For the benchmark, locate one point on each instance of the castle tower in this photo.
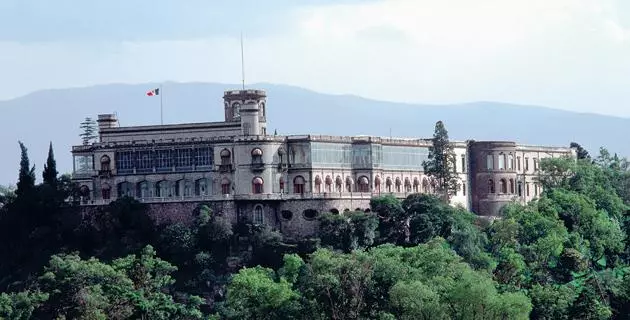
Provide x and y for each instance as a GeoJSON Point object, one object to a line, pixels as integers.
{"type": "Point", "coordinates": [249, 108]}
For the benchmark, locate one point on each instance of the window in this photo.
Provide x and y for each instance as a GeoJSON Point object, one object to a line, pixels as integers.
{"type": "Point", "coordinates": [527, 189]}
{"type": "Point", "coordinates": [257, 185]}
{"type": "Point", "coordinates": [84, 191]}
{"type": "Point", "coordinates": [518, 163]}
{"type": "Point", "coordinates": [526, 164]}
{"type": "Point", "coordinates": [520, 189]}
{"type": "Point", "coordinates": [512, 186]}
{"type": "Point", "coordinates": [225, 186]}
{"type": "Point", "coordinates": [310, 214]}
{"type": "Point", "coordinates": [164, 189]}
{"type": "Point", "coordinates": [377, 184]}
{"type": "Point", "coordinates": [164, 160]}
{"type": "Point", "coordinates": [501, 161]}
{"type": "Point", "coordinates": [425, 186]}
{"type": "Point", "coordinates": [364, 184]}
{"type": "Point", "coordinates": [338, 184]}
{"type": "Point", "coordinates": [490, 162]}
{"type": "Point", "coordinates": [388, 184]}
{"type": "Point", "coordinates": [246, 127]}
{"type": "Point", "coordinates": [398, 184]}
{"type": "Point", "coordinates": [203, 157]}
{"type": "Point", "coordinates": [503, 186]}
{"type": "Point", "coordinates": [463, 163]}
{"type": "Point", "coordinates": [535, 189]}
{"type": "Point", "coordinates": [298, 185]}
{"type": "Point", "coordinates": [106, 191]}
{"type": "Point", "coordinates": [201, 187]}
{"type": "Point", "coordinates": [535, 164]}
{"type": "Point", "coordinates": [349, 183]}
{"type": "Point", "coordinates": [491, 186]}
{"type": "Point", "coordinates": [225, 157]}
{"type": "Point", "coordinates": [510, 161]}
{"type": "Point", "coordinates": [125, 189]}
{"type": "Point", "coordinates": [258, 214]}
{"type": "Point", "coordinates": [416, 185]}
{"type": "Point", "coordinates": [144, 191]}
{"type": "Point", "coordinates": [105, 164]}
{"type": "Point", "coordinates": [184, 158]}
{"type": "Point", "coordinates": [124, 161]}
{"type": "Point", "coordinates": [281, 182]}
{"type": "Point", "coordinates": [328, 181]}
{"type": "Point", "coordinates": [463, 188]}
{"type": "Point", "coordinates": [144, 161]}
{"type": "Point", "coordinates": [318, 184]}
{"type": "Point", "coordinates": [257, 156]}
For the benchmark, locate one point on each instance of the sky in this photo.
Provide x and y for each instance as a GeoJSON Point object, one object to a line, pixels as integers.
{"type": "Point", "coordinates": [567, 54]}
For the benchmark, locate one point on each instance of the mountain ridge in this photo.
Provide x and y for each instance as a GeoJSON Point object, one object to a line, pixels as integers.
{"type": "Point", "coordinates": [54, 115]}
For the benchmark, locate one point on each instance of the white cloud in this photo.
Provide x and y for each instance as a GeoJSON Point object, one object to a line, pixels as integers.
{"type": "Point", "coordinates": [572, 54]}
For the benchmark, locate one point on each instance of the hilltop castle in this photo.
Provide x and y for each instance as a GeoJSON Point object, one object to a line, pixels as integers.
{"type": "Point", "coordinates": [242, 172]}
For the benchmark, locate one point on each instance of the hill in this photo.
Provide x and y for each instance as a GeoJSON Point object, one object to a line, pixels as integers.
{"type": "Point", "coordinates": [54, 115]}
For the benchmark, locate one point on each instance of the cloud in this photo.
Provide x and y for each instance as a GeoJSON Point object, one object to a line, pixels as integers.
{"type": "Point", "coordinates": [572, 54]}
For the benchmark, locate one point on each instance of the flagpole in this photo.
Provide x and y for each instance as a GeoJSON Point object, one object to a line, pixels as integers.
{"type": "Point", "coordinates": [242, 61]}
{"type": "Point", "coordinates": [161, 112]}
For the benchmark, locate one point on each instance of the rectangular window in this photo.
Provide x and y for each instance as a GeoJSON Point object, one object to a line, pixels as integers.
{"type": "Point", "coordinates": [535, 189]}
{"type": "Point", "coordinates": [535, 164]}
{"type": "Point", "coordinates": [490, 162]}
{"type": "Point", "coordinates": [184, 159]}
{"type": "Point", "coordinates": [144, 161]}
{"type": "Point", "coordinates": [510, 162]}
{"type": "Point", "coordinates": [464, 188]}
{"type": "Point", "coordinates": [527, 189]}
{"type": "Point", "coordinates": [501, 162]}
{"type": "Point", "coordinates": [125, 161]}
{"type": "Point", "coordinates": [526, 164]}
{"type": "Point", "coordinates": [203, 156]}
{"type": "Point", "coordinates": [463, 163]}
{"type": "Point", "coordinates": [84, 164]}
{"type": "Point", "coordinates": [518, 163]}
{"type": "Point", "coordinates": [164, 160]}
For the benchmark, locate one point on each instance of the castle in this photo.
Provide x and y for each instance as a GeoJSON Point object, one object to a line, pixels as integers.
{"type": "Point", "coordinates": [244, 173]}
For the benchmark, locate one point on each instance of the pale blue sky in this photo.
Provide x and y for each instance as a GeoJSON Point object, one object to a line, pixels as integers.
{"type": "Point", "coordinates": [569, 54]}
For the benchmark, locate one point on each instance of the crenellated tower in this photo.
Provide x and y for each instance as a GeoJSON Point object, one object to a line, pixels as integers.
{"type": "Point", "coordinates": [249, 108]}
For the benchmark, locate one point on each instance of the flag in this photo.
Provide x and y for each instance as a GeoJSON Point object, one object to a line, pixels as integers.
{"type": "Point", "coordinates": [154, 92]}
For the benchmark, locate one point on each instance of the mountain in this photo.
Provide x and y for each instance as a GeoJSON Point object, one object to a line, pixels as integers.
{"type": "Point", "coordinates": [54, 115]}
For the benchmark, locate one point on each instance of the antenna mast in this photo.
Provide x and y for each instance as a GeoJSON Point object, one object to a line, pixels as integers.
{"type": "Point", "coordinates": [242, 61]}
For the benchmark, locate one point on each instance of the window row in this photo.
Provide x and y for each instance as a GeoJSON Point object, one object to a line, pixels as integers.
{"type": "Point", "coordinates": [161, 160]}
{"type": "Point", "coordinates": [507, 186]}
{"type": "Point", "coordinates": [508, 162]}
{"type": "Point", "coordinates": [164, 188]}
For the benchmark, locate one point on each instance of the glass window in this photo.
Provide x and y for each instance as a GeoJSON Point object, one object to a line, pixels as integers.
{"type": "Point", "coordinates": [463, 163]}
{"type": "Point", "coordinates": [410, 158]}
{"type": "Point", "coordinates": [144, 161]}
{"type": "Point", "coordinates": [501, 162]}
{"type": "Point", "coordinates": [125, 161]}
{"type": "Point", "coordinates": [258, 215]}
{"type": "Point", "coordinates": [327, 154]}
{"type": "Point", "coordinates": [510, 161]}
{"type": "Point", "coordinates": [203, 156]}
{"type": "Point", "coordinates": [490, 162]}
{"type": "Point", "coordinates": [83, 164]}
{"type": "Point", "coordinates": [164, 160]}
{"type": "Point", "coordinates": [361, 156]}
{"type": "Point", "coordinates": [184, 158]}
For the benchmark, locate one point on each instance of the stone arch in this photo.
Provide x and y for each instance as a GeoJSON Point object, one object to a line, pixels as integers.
{"type": "Point", "coordinates": [202, 187]}
{"type": "Point", "coordinates": [416, 185]}
{"type": "Point", "coordinates": [226, 186]}
{"type": "Point", "coordinates": [503, 186]}
{"type": "Point", "coordinates": [407, 184]}
{"type": "Point", "coordinates": [349, 184]}
{"type": "Point", "coordinates": [328, 181]}
{"type": "Point", "coordinates": [125, 189]}
{"type": "Point", "coordinates": [298, 184]}
{"type": "Point", "coordinates": [388, 184]}
{"type": "Point", "coordinates": [106, 190]}
{"type": "Point", "coordinates": [490, 186]}
{"type": "Point", "coordinates": [364, 184]}
{"type": "Point", "coordinates": [257, 185]}
{"type": "Point", "coordinates": [377, 183]}
{"type": "Point", "coordinates": [257, 156]}
{"type": "Point", "coordinates": [425, 185]}
{"type": "Point", "coordinates": [318, 184]}
{"type": "Point", "coordinates": [143, 190]}
{"type": "Point", "coordinates": [334, 210]}
{"type": "Point", "coordinates": [398, 183]}
{"type": "Point", "coordinates": [512, 186]}
{"type": "Point", "coordinates": [338, 183]}
{"type": "Point", "coordinates": [226, 156]}
{"type": "Point", "coordinates": [259, 216]}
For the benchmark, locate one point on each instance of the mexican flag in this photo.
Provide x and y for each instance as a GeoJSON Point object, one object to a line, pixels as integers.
{"type": "Point", "coordinates": [154, 92]}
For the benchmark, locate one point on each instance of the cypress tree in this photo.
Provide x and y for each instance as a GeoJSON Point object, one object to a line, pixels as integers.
{"type": "Point", "coordinates": [441, 163]}
{"type": "Point", "coordinates": [50, 168]}
{"type": "Point", "coordinates": [26, 179]}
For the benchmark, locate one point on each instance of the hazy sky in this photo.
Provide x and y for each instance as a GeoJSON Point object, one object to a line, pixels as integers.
{"type": "Point", "coordinates": [570, 54]}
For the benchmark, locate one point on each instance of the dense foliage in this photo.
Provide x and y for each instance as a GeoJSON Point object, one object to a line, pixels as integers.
{"type": "Point", "coordinates": [563, 256]}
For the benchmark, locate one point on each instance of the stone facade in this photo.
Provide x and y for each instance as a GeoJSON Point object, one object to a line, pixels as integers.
{"type": "Point", "coordinates": [286, 181]}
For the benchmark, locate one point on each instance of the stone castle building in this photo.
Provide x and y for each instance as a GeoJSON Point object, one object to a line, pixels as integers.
{"type": "Point", "coordinates": [240, 170]}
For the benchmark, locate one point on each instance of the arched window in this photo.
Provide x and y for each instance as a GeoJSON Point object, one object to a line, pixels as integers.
{"type": "Point", "coordinates": [407, 185]}
{"type": "Point", "coordinates": [318, 184]}
{"type": "Point", "coordinates": [503, 186]}
{"type": "Point", "coordinates": [84, 191]}
{"type": "Point", "coordinates": [334, 210]}
{"type": "Point", "coordinates": [388, 184]}
{"type": "Point", "coordinates": [512, 186]}
{"type": "Point", "coordinates": [105, 163]}
{"type": "Point", "coordinates": [416, 185]}
{"type": "Point", "coordinates": [225, 157]}
{"type": "Point", "coordinates": [364, 184]}
{"type": "Point", "coordinates": [143, 190]}
{"type": "Point", "coordinates": [349, 183]}
{"type": "Point", "coordinates": [328, 181]}
{"type": "Point", "coordinates": [298, 185]}
{"type": "Point", "coordinates": [106, 191]}
{"type": "Point", "coordinates": [520, 189]}
{"type": "Point", "coordinates": [398, 184]}
{"type": "Point", "coordinates": [125, 189]}
{"type": "Point", "coordinates": [163, 189]}
{"type": "Point", "coordinates": [425, 185]}
{"type": "Point", "coordinates": [258, 214]}
{"type": "Point", "coordinates": [490, 186]}
{"type": "Point", "coordinates": [510, 161]}
{"type": "Point", "coordinates": [377, 184]}
{"type": "Point", "coordinates": [225, 186]}
{"type": "Point", "coordinates": [281, 182]}
{"type": "Point", "coordinates": [183, 188]}
{"type": "Point", "coordinates": [338, 184]}
{"type": "Point", "coordinates": [257, 156]}
{"type": "Point", "coordinates": [257, 185]}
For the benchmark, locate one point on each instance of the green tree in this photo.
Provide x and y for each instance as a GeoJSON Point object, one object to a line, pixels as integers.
{"type": "Point", "coordinates": [580, 151]}
{"type": "Point", "coordinates": [442, 163]}
{"type": "Point", "coordinates": [20, 306]}
{"type": "Point", "coordinates": [50, 168]}
{"type": "Point", "coordinates": [26, 179]}
{"type": "Point", "coordinates": [89, 130]}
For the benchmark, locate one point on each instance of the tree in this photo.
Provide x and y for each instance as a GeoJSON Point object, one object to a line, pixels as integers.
{"type": "Point", "coordinates": [441, 164]}
{"type": "Point", "coordinates": [89, 130]}
{"type": "Point", "coordinates": [50, 168]}
{"type": "Point", "coordinates": [581, 152]}
{"type": "Point", "coordinates": [26, 179]}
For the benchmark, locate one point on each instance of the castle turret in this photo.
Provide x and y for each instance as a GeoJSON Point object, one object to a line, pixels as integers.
{"type": "Point", "coordinates": [248, 107]}
{"type": "Point", "coordinates": [106, 121]}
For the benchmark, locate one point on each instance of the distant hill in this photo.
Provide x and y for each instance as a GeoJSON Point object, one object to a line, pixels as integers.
{"type": "Point", "coordinates": [54, 115]}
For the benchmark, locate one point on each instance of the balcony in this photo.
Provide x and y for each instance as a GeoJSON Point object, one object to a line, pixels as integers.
{"type": "Point", "coordinates": [225, 168]}
{"type": "Point", "coordinates": [257, 166]}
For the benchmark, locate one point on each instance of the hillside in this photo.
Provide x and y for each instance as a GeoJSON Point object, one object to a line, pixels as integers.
{"type": "Point", "coordinates": [54, 115]}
